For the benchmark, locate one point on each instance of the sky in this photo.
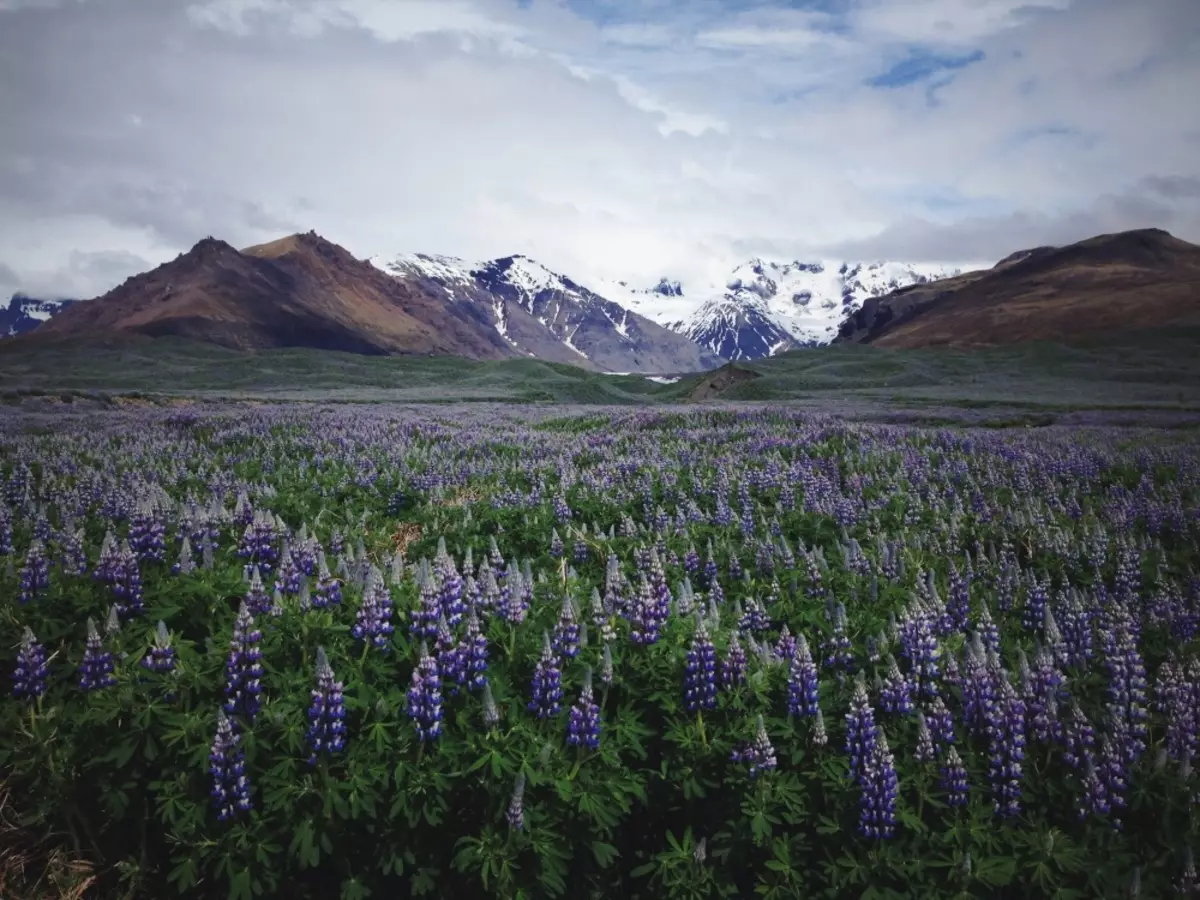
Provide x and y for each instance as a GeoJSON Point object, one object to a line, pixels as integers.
{"type": "Point", "coordinates": [606, 138]}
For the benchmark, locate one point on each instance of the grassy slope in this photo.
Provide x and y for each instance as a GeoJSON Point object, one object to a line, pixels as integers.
{"type": "Point", "coordinates": [1149, 369]}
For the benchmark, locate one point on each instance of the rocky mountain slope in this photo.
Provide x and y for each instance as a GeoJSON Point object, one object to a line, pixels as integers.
{"type": "Point", "coordinates": [1109, 283]}
{"type": "Point", "coordinates": [300, 291]}
{"type": "Point", "coordinates": [765, 307]}
{"type": "Point", "coordinates": [541, 313]}
{"type": "Point", "coordinates": [25, 313]}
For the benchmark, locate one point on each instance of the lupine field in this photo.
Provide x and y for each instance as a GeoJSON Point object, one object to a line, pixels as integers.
{"type": "Point", "coordinates": [372, 651]}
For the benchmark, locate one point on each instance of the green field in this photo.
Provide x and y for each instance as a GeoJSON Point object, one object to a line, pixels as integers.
{"type": "Point", "coordinates": [1148, 370]}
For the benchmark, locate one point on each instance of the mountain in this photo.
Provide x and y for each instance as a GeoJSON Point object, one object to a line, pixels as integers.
{"type": "Point", "coordinates": [764, 307]}
{"type": "Point", "coordinates": [300, 291]}
{"type": "Point", "coordinates": [541, 313]}
{"type": "Point", "coordinates": [1105, 284]}
{"type": "Point", "coordinates": [24, 313]}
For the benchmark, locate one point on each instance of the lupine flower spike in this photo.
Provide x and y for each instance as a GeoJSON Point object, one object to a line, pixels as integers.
{"type": "Point", "coordinates": [96, 670]}
{"type": "Point", "coordinates": [327, 714]}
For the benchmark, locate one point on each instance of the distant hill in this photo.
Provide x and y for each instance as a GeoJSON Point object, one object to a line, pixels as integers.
{"type": "Point", "coordinates": [301, 291]}
{"type": "Point", "coordinates": [25, 313]}
{"type": "Point", "coordinates": [304, 291]}
{"type": "Point", "coordinates": [1107, 284]}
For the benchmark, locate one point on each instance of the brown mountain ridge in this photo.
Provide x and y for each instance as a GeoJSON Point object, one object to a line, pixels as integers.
{"type": "Point", "coordinates": [1108, 283]}
{"type": "Point", "coordinates": [301, 290]}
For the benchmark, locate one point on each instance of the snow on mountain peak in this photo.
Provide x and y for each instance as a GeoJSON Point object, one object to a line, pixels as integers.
{"type": "Point", "coordinates": [784, 303]}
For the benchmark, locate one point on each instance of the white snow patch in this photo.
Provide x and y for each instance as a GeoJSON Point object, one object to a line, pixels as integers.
{"type": "Point", "coordinates": [662, 379]}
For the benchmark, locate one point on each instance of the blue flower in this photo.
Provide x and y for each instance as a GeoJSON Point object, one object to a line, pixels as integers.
{"type": "Point", "coordinates": [29, 678]}
{"type": "Point", "coordinates": [425, 697]}
{"type": "Point", "coordinates": [227, 764]}
{"type": "Point", "coordinates": [803, 685]}
{"type": "Point", "coordinates": [327, 714]}
{"type": "Point", "coordinates": [96, 670]}
{"type": "Point", "coordinates": [547, 682]}
{"type": "Point", "coordinates": [700, 672]}
{"type": "Point", "coordinates": [243, 669]}
{"type": "Point", "coordinates": [583, 728]}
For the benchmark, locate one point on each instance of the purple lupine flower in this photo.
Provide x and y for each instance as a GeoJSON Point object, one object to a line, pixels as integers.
{"type": "Point", "coordinates": [1127, 676]}
{"type": "Point", "coordinates": [941, 723]}
{"type": "Point", "coordinates": [258, 601]}
{"type": "Point", "coordinates": [513, 606]}
{"type": "Point", "coordinates": [710, 565]}
{"type": "Point", "coordinates": [515, 814]}
{"type": "Point", "coordinates": [35, 574]}
{"type": "Point", "coordinates": [925, 751]}
{"type": "Point", "coordinates": [243, 669]}
{"type": "Point", "coordinates": [327, 714]}
{"type": "Point", "coordinates": [126, 580]}
{"type": "Point", "coordinates": [450, 594]}
{"type": "Point", "coordinates": [880, 787]}
{"type": "Point", "coordinates": [785, 647]}
{"type": "Point", "coordinates": [1035, 605]}
{"type": "Point", "coordinates": [1078, 736]}
{"type": "Point", "coordinates": [958, 605]}
{"type": "Point", "coordinates": [451, 658]}
{"type": "Point", "coordinates": [547, 682]}
{"type": "Point", "coordinates": [566, 631]}
{"type": "Point", "coordinates": [373, 623]}
{"type": "Point", "coordinates": [562, 512]}
{"type": "Point", "coordinates": [1093, 800]}
{"type": "Point", "coordinates": [425, 697]}
{"type": "Point", "coordinates": [755, 617]}
{"type": "Point", "coordinates": [986, 628]}
{"type": "Point", "coordinates": [1040, 694]}
{"type": "Point", "coordinates": [1005, 731]}
{"type": "Point", "coordinates": [329, 589]}
{"type": "Point", "coordinates": [258, 543]}
{"type": "Point", "coordinates": [734, 666]}
{"type": "Point", "coordinates": [288, 576]}
{"type": "Point", "coordinates": [72, 557]}
{"type": "Point", "coordinates": [423, 621]}
{"type": "Point", "coordinates": [700, 671]}
{"type": "Point", "coordinates": [556, 544]}
{"type": "Point", "coordinates": [227, 764]}
{"type": "Point", "coordinates": [583, 727]}
{"type": "Point", "coordinates": [6, 530]}
{"type": "Point", "coordinates": [952, 778]}
{"type": "Point", "coordinates": [147, 534]}
{"type": "Point", "coordinates": [161, 657]}
{"type": "Point", "coordinates": [896, 696]}
{"type": "Point", "coordinates": [838, 653]}
{"type": "Point", "coordinates": [803, 685]}
{"type": "Point", "coordinates": [29, 677]}
{"type": "Point", "coordinates": [860, 728]}
{"type": "Point", "coordinates": [475, 650]}
{"type": "Point", "coordinates": [919, 646]}
{"type": "Point", "coordinates": [1116, 755]}
{"type": "Point", "coordinates": [96, 670]}
{"type": "Point", "coordinates": [760, 755]}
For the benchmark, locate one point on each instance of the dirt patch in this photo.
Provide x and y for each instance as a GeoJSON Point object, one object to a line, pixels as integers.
{"type": "Point", "coordinates": [719, 381]}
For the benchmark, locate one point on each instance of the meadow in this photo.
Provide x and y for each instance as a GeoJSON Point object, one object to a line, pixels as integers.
{"type": "Point", "coordinates": [491, 650]}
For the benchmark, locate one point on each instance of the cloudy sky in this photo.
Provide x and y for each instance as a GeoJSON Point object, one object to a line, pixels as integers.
{"type": "Point", "coordinates": [629, 138]}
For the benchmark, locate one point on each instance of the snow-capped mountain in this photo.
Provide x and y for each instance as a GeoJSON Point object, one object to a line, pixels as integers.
{"type": "Point", "coordinates": [546, 315]}
{"type": "Point", "coordinates": [764, 307]}
{"type": "Point", "coordinates": [25, 313]}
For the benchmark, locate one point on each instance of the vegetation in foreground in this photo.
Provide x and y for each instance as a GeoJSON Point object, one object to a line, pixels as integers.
{"type": "Point", "coordinates": [370, 651]}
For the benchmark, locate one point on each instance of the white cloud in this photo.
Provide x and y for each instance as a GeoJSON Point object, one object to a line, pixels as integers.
{"type": "Point", "coordinates": [638, 138]}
